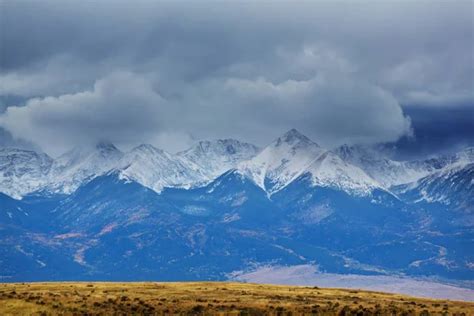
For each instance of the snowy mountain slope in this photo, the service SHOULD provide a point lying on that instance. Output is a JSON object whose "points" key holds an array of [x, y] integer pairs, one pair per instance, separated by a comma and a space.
{"points": [[294, 154], [451, 186], [281, 161], [329, 170], [465, 156], [155, 168], [22, 171], [218, 156], [71, 169], [25, 171], [390, 172], [386, 171]]}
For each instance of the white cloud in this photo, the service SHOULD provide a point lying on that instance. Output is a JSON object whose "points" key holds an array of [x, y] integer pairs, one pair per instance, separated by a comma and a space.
{"points": [[333, 108], [121, 107]]}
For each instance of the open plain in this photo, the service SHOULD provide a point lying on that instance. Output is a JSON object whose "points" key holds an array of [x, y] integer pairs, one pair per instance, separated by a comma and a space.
{"points": [[210, 298]]}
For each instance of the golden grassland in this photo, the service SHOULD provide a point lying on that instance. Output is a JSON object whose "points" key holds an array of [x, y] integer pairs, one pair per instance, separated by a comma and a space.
{"points": [[210, 298]]}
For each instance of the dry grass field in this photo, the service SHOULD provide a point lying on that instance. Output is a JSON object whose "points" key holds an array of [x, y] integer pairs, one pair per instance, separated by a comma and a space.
{"points": [[210, 298]]}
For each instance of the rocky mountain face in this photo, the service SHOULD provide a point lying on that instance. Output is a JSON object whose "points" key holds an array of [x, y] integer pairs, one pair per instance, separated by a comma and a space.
{"points": [[225, 205]]}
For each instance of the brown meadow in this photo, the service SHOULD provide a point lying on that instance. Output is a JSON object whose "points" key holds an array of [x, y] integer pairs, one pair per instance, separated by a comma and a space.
{"points": [[210, 298]]}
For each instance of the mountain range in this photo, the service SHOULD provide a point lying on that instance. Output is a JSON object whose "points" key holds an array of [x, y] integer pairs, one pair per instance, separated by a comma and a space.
{"points": [[221, 206]]}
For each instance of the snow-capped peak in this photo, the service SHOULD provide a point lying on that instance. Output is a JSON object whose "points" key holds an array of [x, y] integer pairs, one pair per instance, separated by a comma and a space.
{"points": [[391, 172], [329, 170], [217, 156], [380, 167], [22, 171], [292, 155], [71, 169], [294, 138], [106, 148], [147, 149], [157, 169], [281, 161]]}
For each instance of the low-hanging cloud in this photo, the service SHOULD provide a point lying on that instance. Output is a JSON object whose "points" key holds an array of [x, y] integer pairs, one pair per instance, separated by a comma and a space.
{"points": [[121, 107], [125, 108], [331, 109]]}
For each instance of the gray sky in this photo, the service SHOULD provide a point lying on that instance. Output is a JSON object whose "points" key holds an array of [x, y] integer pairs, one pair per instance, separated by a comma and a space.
{"points": [[168, 73]]}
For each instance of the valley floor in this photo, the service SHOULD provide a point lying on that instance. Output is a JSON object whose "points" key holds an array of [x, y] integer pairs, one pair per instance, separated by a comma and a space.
{"points": [[210, 298]]}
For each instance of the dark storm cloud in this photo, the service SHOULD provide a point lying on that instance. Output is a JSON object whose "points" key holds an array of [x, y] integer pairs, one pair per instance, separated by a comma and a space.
{"points": [[438, 129], [235, 69]]}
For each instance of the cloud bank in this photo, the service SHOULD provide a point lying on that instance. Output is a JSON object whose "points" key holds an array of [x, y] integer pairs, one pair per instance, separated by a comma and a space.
{"points": [[171, 72]]}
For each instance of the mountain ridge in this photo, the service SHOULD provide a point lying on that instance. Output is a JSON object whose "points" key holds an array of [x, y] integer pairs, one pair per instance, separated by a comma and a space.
{"points": [[356, 169]]}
